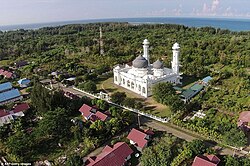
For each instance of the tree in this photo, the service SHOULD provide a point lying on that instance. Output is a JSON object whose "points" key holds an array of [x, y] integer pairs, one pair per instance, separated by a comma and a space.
{"points": [[90, 86], [41, 98], [118, 97], [74, 160], [162, 90], [52, 122], [129, 102], [235, 137]]}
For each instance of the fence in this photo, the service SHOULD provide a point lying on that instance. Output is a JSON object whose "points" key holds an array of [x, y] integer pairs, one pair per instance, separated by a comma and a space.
{"points": [[163, 120]]}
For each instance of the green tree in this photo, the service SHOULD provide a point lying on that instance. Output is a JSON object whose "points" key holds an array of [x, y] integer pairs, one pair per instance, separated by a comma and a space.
{"points": [[235, 137], [118, 97], [90, 86], [74, 160]]}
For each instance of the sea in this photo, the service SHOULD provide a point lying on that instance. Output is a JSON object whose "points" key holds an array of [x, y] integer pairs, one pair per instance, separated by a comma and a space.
{"points": [[222, 23]]}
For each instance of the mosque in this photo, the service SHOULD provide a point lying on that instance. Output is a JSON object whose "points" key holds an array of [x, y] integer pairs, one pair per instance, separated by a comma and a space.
{"points": [[141, 76]]}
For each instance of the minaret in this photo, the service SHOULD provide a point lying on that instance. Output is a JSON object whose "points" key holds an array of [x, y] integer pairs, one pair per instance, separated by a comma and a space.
{"points": [[175, 61], [101, 43], [146, 49]]}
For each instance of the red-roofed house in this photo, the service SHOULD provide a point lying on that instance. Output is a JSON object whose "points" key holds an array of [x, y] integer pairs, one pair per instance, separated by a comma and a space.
{"points": [[209, 160], [243, 120], [90, 113], [17, 111], [99, 116], [87, 111], [7, 74], [117, 155], [138, 138]]}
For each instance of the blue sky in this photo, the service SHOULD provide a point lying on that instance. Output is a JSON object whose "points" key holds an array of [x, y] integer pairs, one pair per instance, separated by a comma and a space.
{"points": [[36, 11]]}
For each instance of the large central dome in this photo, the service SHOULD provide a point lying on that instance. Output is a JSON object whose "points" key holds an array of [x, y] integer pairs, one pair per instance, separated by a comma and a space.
{"points": [[140, 62]]}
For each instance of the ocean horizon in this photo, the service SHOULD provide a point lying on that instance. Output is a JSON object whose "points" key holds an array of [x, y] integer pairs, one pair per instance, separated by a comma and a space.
{"points": [[231, 24]]}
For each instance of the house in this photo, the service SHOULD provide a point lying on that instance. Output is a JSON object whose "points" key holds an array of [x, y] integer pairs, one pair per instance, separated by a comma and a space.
{"points": [[91, 113], [189, 93], [99, 116], [10, 96], [5, 87], [139, 139], [20, 64], [17, 111], [209, 160], [117, 155], [24, 82], [87, 111], [243, 120], [7, 74]]}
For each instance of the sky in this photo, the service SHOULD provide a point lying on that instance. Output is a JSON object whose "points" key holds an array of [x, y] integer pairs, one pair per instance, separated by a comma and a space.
{"points": [[40, 11]]}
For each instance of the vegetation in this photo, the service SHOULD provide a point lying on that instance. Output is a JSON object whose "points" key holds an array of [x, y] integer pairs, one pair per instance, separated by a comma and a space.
{"points": [[165, 93]]}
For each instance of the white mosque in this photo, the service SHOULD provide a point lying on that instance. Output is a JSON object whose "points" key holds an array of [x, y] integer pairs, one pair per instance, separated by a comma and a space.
{"points": [[141, 76]]}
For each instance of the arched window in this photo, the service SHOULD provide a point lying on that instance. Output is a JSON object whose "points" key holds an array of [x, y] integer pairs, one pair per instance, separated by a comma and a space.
{"points": [[143, 90], [128, 83], [132, 85], [115, 78], [139, 87], [123, 81]]}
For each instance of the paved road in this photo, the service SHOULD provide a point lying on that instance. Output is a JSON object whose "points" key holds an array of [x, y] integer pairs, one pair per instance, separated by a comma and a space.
{"points": [[186, 136], [164, 127]]}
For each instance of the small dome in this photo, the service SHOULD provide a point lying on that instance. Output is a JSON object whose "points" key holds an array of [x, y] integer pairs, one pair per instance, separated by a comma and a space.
{"points": [[140, 62], [158, 64], [146, 42], [176, 46]]}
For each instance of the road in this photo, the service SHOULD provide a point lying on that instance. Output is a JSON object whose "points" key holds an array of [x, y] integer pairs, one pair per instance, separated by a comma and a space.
{"points": [[180, 133]]}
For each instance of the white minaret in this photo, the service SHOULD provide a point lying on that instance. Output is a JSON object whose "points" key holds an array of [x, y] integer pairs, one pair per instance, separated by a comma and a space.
{"points": [[175, 61], [146, 49]]}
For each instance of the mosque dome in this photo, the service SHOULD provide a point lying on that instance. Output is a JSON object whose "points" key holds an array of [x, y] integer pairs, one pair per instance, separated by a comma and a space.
{"points": [[158, 64], [140, 62]]}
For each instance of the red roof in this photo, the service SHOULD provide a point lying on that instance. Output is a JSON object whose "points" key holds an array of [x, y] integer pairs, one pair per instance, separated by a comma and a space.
{"points": [[99, 116], [21, 107], [209, 160], [149, 132], [3, 113], [7, 74], [138, 137], [85, 110], [115, 156]]}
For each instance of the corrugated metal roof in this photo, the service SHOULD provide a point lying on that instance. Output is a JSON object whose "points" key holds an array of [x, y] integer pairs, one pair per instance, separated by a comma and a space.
{"points": [[5, 86], [23, 81], [207, 79], [14, 93], [196, 87]]}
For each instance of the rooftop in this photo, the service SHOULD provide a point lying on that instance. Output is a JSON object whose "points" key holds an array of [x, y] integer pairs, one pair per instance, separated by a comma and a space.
{"points": [[11, 94], [209, 160], [111, 156], [138, 137], [5, 86]]}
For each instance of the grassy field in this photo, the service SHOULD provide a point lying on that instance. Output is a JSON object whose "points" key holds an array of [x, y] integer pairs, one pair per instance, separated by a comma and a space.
{"points": [[151, 106]]}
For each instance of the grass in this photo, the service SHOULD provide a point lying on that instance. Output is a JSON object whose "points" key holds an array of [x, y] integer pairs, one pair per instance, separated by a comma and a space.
{"points": [[5, 62], [151, 106]]}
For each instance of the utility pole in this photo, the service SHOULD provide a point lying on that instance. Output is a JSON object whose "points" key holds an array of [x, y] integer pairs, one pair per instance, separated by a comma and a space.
{"points": [[139, 122], [101, 43]]}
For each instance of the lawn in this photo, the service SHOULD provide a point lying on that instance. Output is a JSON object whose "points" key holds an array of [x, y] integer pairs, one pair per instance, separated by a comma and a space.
{"points": [[152, 106]]}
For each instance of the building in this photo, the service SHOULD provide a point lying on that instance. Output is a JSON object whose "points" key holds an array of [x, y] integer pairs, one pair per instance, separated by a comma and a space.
{"points": [[206, 80], [91, 113], [8, 93], [24, 82], [243, 120], [139, 139], [189, 93], [209, 160], [7, 116], [20, 64], [7, 74], [117, 155], [141, 76]]}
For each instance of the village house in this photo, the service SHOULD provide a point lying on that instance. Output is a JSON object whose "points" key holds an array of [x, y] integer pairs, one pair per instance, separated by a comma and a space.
{"points": [[139, 138], [8, 93], [243, 120], [91, 113], [18, 111], [7, 74], [24, 82], [116, 155], [209, 160]]}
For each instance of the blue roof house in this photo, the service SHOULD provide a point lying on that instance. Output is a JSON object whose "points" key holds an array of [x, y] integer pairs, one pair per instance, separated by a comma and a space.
{"points": [[24, 82], [5, 86]]}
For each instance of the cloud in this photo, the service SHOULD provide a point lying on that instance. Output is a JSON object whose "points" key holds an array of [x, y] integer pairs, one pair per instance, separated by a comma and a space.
{"points": [[215, 5]]}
